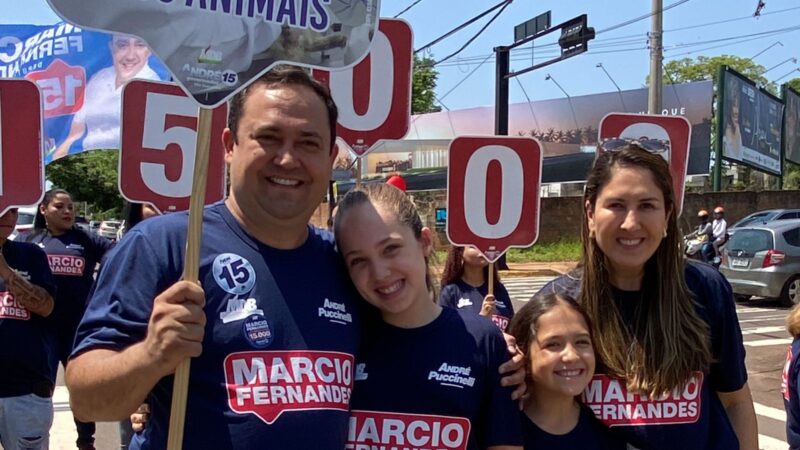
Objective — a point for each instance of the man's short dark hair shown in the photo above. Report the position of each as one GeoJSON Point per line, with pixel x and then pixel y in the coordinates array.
{"type": "Point", "coordinates": [284, 75]}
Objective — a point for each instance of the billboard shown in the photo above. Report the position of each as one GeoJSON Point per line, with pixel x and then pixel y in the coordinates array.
{"type": "Point", "coordinates": [791, 125]}
{"type": "Point", "coordinates": [749, 125]}
{"type": "Point", "coordinates": [567, 128]}
{"type": "Point", "coordinates": [80, 74]}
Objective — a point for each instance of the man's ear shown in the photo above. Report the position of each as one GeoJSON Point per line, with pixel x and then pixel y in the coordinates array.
{"type": "Point", "coordinates": [227, 142]}
{"type": "Point", "coordinates": [426, 238]}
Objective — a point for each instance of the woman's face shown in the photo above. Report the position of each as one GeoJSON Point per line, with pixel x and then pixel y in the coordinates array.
{"type": "Point", "coordinates": [59, 213]}
{"type": "Point", "coordinates": [561, 355]}
{"type": "Point", "coordinates": [628, 219]}
{"type": "Point", "coordinates": [472, 257]}
{"type": "Point", "coordinates": [384, 259]}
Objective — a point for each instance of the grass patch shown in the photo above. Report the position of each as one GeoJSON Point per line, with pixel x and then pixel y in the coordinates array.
{"type": "Point", "coordinates": [556, 251]}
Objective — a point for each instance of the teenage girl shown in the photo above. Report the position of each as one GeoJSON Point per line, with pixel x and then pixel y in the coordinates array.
{"type": "Point", "coordinates": [555, 334]}
{"type": "Point", "coordinates": [413, 387]}
{"type": "Point", "coordinates": [465, 285]}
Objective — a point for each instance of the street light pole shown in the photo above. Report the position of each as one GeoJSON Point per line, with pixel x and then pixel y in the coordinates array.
{"type": "Point", "coordinates": [656, 46]}
{"type": "Point", "coordinates": [502, 64]}
{"type": "Point", "coordinates": [569, 99]}
{"type": "Point", "coordinates": [794, 60]}
{"type": "Point", "coordinates": [787, 74]}
{"type": "Point", "coordinates": [622, 100]}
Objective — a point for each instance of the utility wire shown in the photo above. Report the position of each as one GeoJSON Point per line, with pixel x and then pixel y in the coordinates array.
{"type": "Point", "coordinates": [404, 11]}
{"type": "Point", "coordinates": [468, 75]}
{"type": "Point", "coordinates": [642, 17]}
{"type": "Point", "coordinates": [466, 44]}
{"type": "Point", "coordinates": [463, 25]}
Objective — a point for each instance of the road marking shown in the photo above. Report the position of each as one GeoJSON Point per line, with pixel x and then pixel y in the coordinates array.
{"type": "Point", "coordinates": [768, 342]}
{"type": "Point", "coordinates": [770, 443]}
{"type": "Point", "coordinates": [770, 412]}
{"type": "Point", "coordinates": [764, 330]}
{"type": "Point", "coordinates": [762, 319]}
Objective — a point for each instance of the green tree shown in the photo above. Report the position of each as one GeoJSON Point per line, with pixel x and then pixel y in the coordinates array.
{"type": "Point", "coordinates": [90, 177]}
{"type": "Point", "coordinates": [794, 83]}
{"type": "Point", "coordinates": [705, 68]}
{"type": "Point", "coordinates": [423, 86]}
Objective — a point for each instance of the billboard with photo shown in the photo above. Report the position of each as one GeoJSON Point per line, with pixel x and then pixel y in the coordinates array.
{"type": "Point", "coordinates": [749, 128]}
{"type": "Point", "coordinates": [80, 75]}
{"type": "Point", "coordinates": [567, 128]}
{"type": "Point", "coordinates": [791, 125]}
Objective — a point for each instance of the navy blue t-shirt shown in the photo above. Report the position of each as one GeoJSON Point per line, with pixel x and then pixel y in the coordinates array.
{"type": "Point", "coordinates": [466, 297]}
{"type": "Point", "coordinates": [692, 417]}
{"type": "Point", "coordinates": [588, 434]}
{"type": "Point", "coordinates": [791, 394]}
{"type": "Point", "coordinates": [282, 331]}
{"type": "Point", "coordinates": [28, 350]}
{"type": "Point", "coordinates": [436, 386]}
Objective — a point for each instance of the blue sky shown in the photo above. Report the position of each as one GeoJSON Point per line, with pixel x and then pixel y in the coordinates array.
{"type": "Point", "coordinates": [692, 28]}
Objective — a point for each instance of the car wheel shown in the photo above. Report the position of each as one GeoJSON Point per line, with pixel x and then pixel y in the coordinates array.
{"type": "Point", "coordinates": [741, 298]}
{"type": "Point", "coordinates": [790, 295]}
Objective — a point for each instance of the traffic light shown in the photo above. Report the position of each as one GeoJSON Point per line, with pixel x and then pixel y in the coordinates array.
{"type": "Point", "coordinates": [575, 36]}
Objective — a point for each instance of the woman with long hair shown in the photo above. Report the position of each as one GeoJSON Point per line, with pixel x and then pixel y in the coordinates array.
{"type": "Point", "coordinates": [671, 359]}
{"type": "Point", "coordinates": [790, 384]}
{"type": "Point", "coordinates": [73, 254]}
{"type": "Point", "coordinates": [465, 285]}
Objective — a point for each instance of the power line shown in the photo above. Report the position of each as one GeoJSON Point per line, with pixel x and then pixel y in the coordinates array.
{"type": "Point", "coordinates": [468, 75]}
{"type": "Point", "coordinates": [475, 36]}
{"type": "Point", "coordinates": [463, 25]}
{"type": "Point", "coordinates": [642, 17]}
{"type": "Point", "coordinates": [409, 7]}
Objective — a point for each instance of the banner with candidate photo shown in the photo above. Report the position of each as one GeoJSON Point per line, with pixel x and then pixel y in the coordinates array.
{"type": "Point", "coordinates": [791, 125]}
{"type": "Point", "coordinates": [80, 74]}
{"type": "Point", "coordinates": [750, 123]}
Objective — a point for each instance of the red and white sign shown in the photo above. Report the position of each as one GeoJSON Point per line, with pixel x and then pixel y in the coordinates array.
{"type": "Point", "coordinates": [269, 383]}
{"type": "Point", "coordinates": [669, 136]}
{"type": "Point", "coordinates": [493, 193]}
{"type": "Point", "coordinates": [614, 405]}
{"type": "Point", "coordinates": [10, 308]}
{"type": "Point", "coordinates": [63, 87]}
{"type": "Point", "coordinates": [68, 265]}
{"type": "Point", "coordinates": [374, 97]}
{"type": "Point", "coordinates": [21, 155]}
{"type": "Point", "coordinates": [374, 429]}
{"type": "Point", "coordinates": [159, 136]}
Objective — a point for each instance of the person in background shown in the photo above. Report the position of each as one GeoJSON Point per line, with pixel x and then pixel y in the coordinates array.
{"type": "Point", "coordinates": [73, 255]}
{"type": "Point", "coordinates": [465, 285]}
{"type": "Point", "coordinates": [719, 230]}
{"type": "Point", "coordinates": [424, 380]}
{"type": "Point", "coordinates": [555, 335]}
{"type": "Point", "coordinates": [29, 349]}
{"type": "Point", "coordinates": [664, 328]}
{"type": "Point", "coordinates": [790, 382]}
{"type": "Point", "coordinates": [704, 231]}
{"type": "Point", "coordinates": [732, 139]}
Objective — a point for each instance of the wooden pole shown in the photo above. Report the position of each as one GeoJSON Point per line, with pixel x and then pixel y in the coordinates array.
{"type": "Point", "coordinates": [491, 279]}
{"type": "Point", "coordinates": [358, 172]}
{"type": "Point", "coordinates": [191, 269]}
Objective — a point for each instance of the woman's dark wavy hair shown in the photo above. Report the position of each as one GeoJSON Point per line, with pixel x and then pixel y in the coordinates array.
{"type": "Point", "coordinates": [454, 268]}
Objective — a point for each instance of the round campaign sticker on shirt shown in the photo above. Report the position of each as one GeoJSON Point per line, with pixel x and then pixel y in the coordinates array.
{"type": "Point", "coordinates": [256, 330]}
{"type": "Point", "coordinates": [234, 274]}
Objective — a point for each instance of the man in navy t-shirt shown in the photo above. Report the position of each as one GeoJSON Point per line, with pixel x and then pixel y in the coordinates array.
{"type": "Point", "coordinates": [28, 334]}
{"type": "Point", "coordinates": [273, 328]}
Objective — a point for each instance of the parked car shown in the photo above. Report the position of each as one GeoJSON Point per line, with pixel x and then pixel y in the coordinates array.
{"type": "Point", "coordinates": [24, 221]}
{"type": "Point", "coordinates": [82, 223]}
{"type": "Point", "coordinates": [764, 260]}
{"type": "Point", "coordinates": [767, 215]}
{"type": "Point", "coordinates": [108, 229]}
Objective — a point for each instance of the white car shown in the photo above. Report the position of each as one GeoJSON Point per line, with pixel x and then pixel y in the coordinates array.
{"type": "Point", "coordinates": [108, 229]}
{"type": "Point", "coordinates": [24, 221]}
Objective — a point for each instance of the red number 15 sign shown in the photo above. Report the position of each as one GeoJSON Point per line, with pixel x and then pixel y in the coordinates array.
{"type": "Point", "coordinates": [493, 193]}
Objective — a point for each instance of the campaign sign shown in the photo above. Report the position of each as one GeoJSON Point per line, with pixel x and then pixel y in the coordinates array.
{"type": "Point", "coordinates": [159, 135]}
{"type": "Point", "coordinates": [80, 74]}
{"type": "Point", "coordinates": [21, 168]}
{"type": "Point", "coordinates": [374, 97]}
{"type": "Point", "coordinates": [493, 193]}
{"type": "Point", "coordinates": [667, 136]}
{"type": "Point", "coordinates": [214, 48]}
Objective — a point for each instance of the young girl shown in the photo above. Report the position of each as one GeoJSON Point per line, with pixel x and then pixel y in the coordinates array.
{"type": "Point", "coordinates": [554, 333]}
{"type": "Point", "coordinates": [413, 387]}
{"type": "Point", "coordinates": [791, 381]}
{"type": "Point", "coordinates": [465, 286]}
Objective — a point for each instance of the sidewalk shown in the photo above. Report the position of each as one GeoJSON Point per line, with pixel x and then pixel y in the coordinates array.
{"type": "Point", "coordinates": [538, 269]}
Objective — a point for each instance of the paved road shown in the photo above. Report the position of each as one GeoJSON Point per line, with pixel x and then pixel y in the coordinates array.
{"type": "Point", "coordinates": [765, 341]}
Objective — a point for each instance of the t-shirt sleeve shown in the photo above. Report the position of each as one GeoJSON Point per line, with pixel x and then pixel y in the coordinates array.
{"type": "Point", "coordinates": [40, 270]}
{"type": "Point", "coordinates": [119, 309]}
{"type": "Point", "coordinates": [728, 370]}
{"type": "Point", "coordinates": [501, 294]}
{"type": "Point", "coordinates": [500, 420]}
{"type": "Point", "coordinates": [449, 296]}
